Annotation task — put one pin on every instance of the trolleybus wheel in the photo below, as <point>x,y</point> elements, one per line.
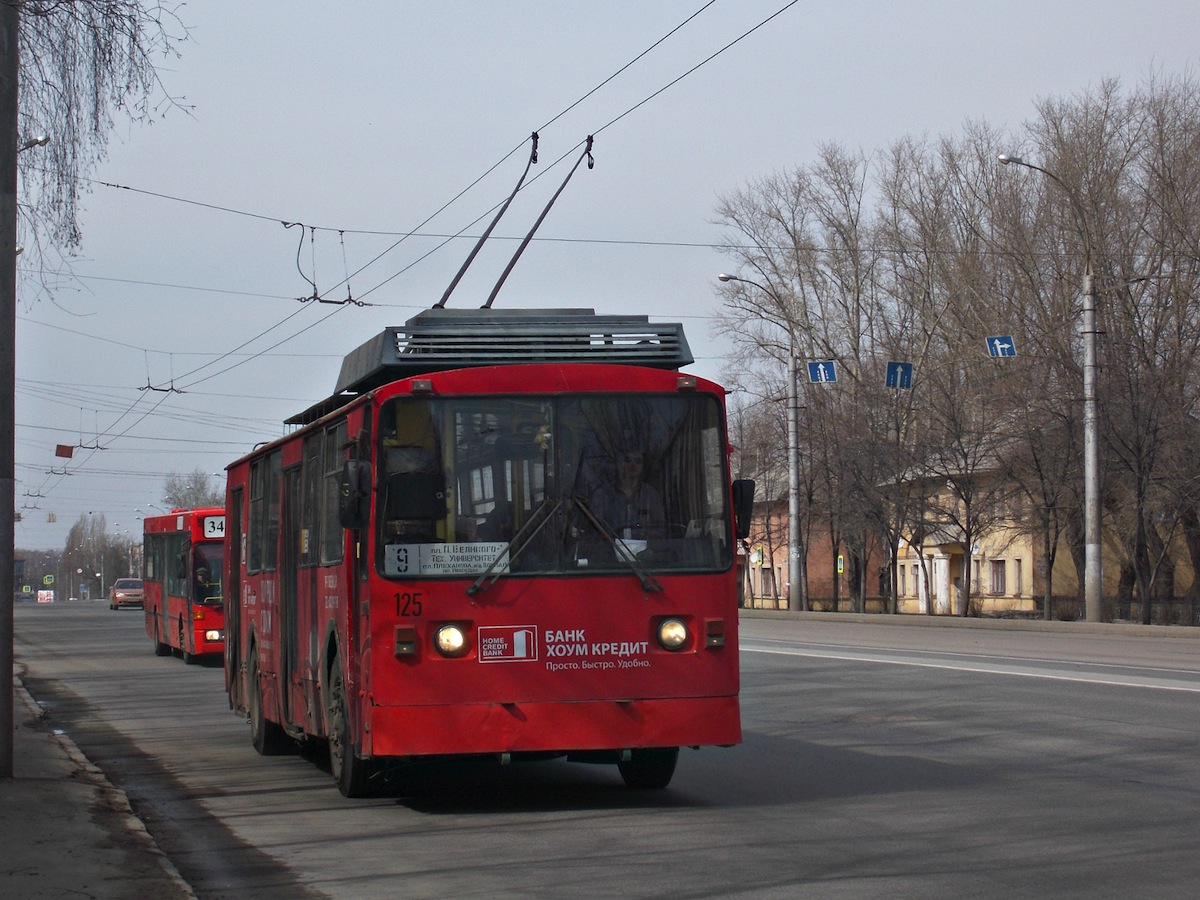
<point>188,657</point>
<point>160,649</point>
<point>267,737</point>
<point>650,768</point>
<point>350,771</point>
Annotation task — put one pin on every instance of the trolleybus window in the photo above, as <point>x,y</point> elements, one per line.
<point>177,570</point>
<point>552,485</point>
<point>265,475</point>
<point>310,505</point>
<point>332,542</point>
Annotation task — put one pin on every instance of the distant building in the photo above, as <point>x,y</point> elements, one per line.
<point>1002,573</point>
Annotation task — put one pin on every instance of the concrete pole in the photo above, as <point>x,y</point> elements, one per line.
<point>793,452</point>
<point>793,464</point>
<point>1092,595</point>
<point>9,67</point>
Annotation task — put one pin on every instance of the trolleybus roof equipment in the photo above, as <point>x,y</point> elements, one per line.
<point>438,339</point>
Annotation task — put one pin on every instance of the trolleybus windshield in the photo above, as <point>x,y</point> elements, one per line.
<point>566,484</point>
<point>208,560</point>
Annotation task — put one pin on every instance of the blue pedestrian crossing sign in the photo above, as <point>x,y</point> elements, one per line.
<point>822,372</point>
<point>899,375</point>
<point>1001,345</point>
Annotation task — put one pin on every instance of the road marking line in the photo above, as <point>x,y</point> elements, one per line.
<point>998,669</point>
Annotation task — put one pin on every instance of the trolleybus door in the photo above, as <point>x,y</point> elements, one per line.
<point>233,602</point>
<point>289,636</point>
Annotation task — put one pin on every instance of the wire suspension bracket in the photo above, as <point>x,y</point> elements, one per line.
<point>316,294</point>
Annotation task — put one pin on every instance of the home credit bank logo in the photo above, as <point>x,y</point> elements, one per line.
<point>508,643</point>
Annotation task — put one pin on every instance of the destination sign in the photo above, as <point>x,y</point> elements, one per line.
<point>446,558</point>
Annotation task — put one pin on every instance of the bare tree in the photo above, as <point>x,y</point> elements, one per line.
<point>192,491</point>
<point>1128,164</point>
<point>84,556</point>
<point>806,262</point>
<point>81,62</point>
<point>938,250</point>
<point>760,455</point>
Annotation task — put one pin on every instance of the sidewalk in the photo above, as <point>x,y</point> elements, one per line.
<point>65,831</point>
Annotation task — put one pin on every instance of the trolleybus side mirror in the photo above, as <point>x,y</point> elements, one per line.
<point>743,506</point>
<point>354,494</point>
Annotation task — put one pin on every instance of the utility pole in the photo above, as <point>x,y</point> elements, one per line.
<point>1093,596</point>
<point>1093,581</point>
<point>795,589</point>
<point>9,68</point>
<point>797,595</point>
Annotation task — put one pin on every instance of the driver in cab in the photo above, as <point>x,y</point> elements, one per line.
<point>630,503</point>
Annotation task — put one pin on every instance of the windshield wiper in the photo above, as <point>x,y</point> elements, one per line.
<point>622,552</point>
<point>525,534</point>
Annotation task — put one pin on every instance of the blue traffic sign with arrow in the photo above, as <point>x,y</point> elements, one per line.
<point>822,372</point>
<point>1001,345</point>
<point>899,375</point>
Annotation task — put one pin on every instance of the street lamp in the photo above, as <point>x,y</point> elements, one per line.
<point>1092,597</point>
<point>793,452</point>
<point>40,141</point>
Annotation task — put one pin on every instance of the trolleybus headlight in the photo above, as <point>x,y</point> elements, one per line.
<point>672,633</point>
<point>451,641</point>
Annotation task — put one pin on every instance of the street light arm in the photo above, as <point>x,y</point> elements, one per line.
<point>779,316</point>
<point>1081,221</point>
<point>764,289</point>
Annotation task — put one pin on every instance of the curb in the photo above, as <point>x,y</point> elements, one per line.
<point>111,795</point>
<point>1124,629</point>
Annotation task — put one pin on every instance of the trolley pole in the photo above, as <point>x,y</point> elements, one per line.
<point>9,67</point>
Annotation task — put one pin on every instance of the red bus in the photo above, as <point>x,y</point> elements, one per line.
<point>184,568</point>
<point>426,568</point>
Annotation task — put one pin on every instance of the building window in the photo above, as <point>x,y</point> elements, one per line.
<point>900,589</point>
<point>1018,586</point>
<point>998,573</point>
<point>766,582</point>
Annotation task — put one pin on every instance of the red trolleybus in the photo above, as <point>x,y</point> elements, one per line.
<point>185,561</point>
<point>430,565</point>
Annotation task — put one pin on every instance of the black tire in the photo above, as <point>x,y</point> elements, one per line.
<point>160,649</point>
<point>268,738</point>
<point>188,657</point>
<point>351,772</point>
<point>650,768</point>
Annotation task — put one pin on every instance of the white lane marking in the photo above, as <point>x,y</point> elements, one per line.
<point>997,669</point>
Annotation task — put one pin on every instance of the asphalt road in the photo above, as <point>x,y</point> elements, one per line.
<point>880,760</point>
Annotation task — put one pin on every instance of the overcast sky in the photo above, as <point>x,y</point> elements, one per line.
<point>363,119</point>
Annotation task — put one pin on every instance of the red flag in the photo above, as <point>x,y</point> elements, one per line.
<point>64,450</point>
